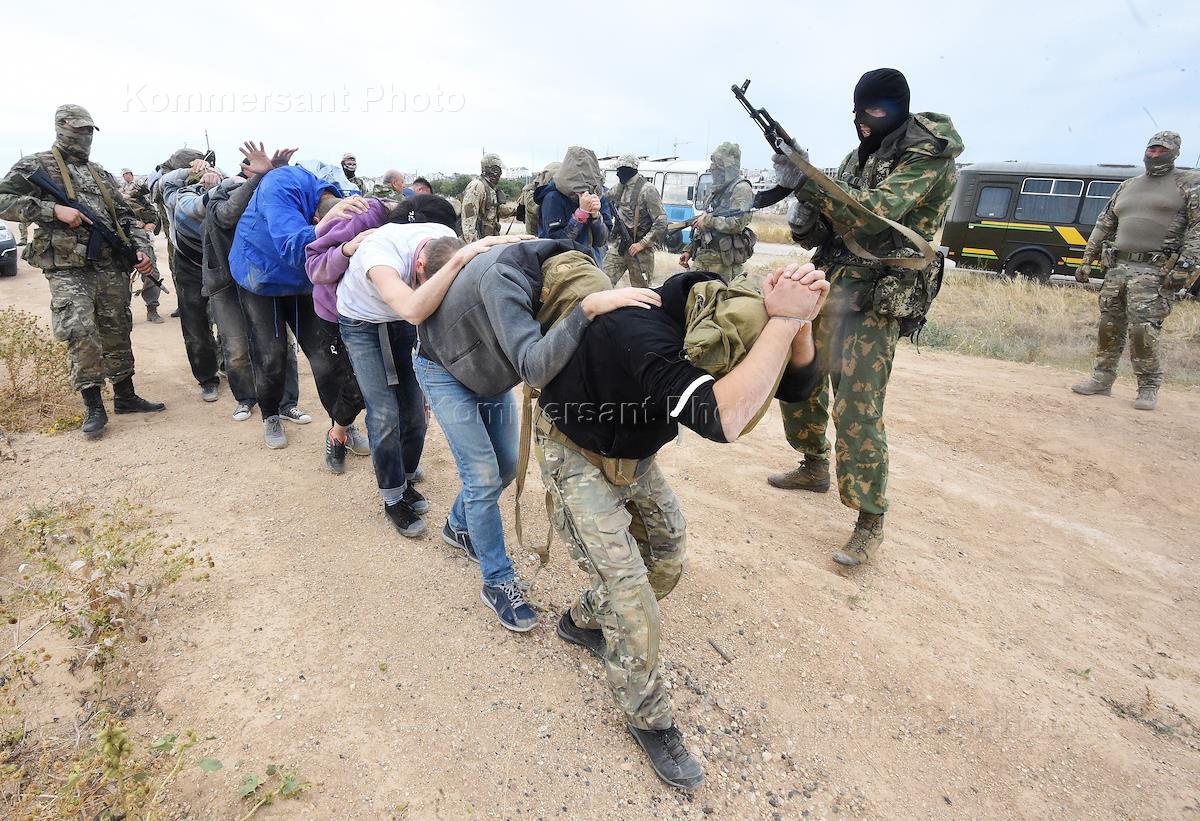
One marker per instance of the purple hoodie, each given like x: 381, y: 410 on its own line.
x: 324, y: 260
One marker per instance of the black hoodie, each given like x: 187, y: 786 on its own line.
x: 627, y: 387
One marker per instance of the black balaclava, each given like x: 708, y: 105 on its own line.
x: 883, y: 88
x: 625, y: 174
x: 348, y: 172
x: 74, y: 143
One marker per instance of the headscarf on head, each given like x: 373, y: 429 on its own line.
x: 1157, y: 166
x: 884, y: 88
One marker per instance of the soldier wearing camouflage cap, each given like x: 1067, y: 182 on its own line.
x: 721, y: 237
x: 89, y: 298
x: 481, y: 206
x: 136, y: 192
x: 1152, y: 228
x: 640, y: 223
x: 350, y: 169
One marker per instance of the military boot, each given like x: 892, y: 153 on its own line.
x: 811, y: 474
x: 152, y: 315
x: 126, y: 401
x: 1147, y: 398
x: 94, y: 415
x: 1092, y: 388
x: 867, y: 535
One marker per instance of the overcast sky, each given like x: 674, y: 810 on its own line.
x: 429, y: 86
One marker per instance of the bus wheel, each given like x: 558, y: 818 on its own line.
x: 1030, y: 265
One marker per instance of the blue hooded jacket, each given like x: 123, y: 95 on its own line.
x: 267, y: 256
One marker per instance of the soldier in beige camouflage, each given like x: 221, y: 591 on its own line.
x: 903, y: 168
x: 1152, y: 223
x: 721, y: 237
x: 481, y: 206
x: 137, y: 194
x: 89, y: 299
x: 640, y: 222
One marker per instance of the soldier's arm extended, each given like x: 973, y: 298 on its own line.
x: 896, y: 195
x: 1106, y: 227
x: 21, y: 200
x: 652, y: 204
x: 472, y: 204
x: 740, y: 201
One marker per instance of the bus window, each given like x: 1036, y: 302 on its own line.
x: 1048, y: 200
x: 702, y: 188
x: 1098, y: 195
x: 675, y: 188
x: 993, y: 202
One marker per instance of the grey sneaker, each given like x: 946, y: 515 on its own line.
x: 357, y: 441
x: 273, y: 433
x: 208, y: 391
x: 242, y: 412
x: 294, y: 414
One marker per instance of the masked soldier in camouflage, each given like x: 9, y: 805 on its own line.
x: 641, y: 222
x: 137, y: 194
x: 903, y: 169
x: 1153, y: 225
x: 350, y: 169
x: 481, y: 207
x: 89, y: 299
x: 721, y: 237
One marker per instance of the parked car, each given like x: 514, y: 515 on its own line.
x: 8, y: 252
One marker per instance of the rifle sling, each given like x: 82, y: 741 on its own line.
x: 70, y: 188
x: 838, y: 194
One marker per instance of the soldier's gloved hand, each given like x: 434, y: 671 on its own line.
x: 1083, y: 273
x: 802, y: 216
x: 787, y: 174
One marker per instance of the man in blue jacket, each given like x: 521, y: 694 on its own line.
x: 267, y: 262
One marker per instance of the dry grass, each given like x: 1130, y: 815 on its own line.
x: 1022, y: 321
x: 771, y: 227
x: 35, y: 390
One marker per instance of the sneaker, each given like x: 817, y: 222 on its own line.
x: 335, y: 455
x: 404, y: 519
x: 413, y: 498
x: 508, y: 603
x: 208, y: 391
x: 242, y: 412
x: 357, y: 441
x: 670, y: 759
x: 273, y: 433
x: 460, y: 539
x: 294, y: 414
x: 590, y: 639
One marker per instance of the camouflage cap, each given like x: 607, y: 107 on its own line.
x: 490, y: 160
x: 628, y: 161
x: 75, y: 116
x: 126, y: 170
x: 1167, y: 139
x: 349, y: 155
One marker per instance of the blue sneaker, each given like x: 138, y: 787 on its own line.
x: 508, y: 602
x: 460, y: 539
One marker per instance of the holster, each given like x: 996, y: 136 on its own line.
x: 619, y: 472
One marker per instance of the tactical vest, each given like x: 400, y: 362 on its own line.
x: 57, y: 247
x: 734, y: 249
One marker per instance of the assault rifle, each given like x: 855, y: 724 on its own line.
x: 124, y: 253
x: 732, y: 212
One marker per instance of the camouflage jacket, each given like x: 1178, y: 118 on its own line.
x: 55, y: 247
x: 909, y: 180
x: 737, y: 197
x: 384, y: 192
x: 640, y: 208
x: 1183, y: 234
x: 137, y: 194
x: 482, y: 210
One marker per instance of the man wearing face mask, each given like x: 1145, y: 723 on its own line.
x: 1153, y: 225
x: 902, y: 169
x: 89, y: 299
x: 350, y: 169
x: 641, y: 221
x: 481, y: 207
x: 721, y: 237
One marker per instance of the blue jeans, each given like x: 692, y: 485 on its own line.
x: 395, y: 407
x: 482, y: 432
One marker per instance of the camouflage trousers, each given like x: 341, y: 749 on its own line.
x: 89, y: 310
x: 631, y: 542
x: 23, y: 230
x: 640, y: 267
x: 1133, y: 304
x: 854, y: 351
x: 706, y: 260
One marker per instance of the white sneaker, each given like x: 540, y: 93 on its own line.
x: 242, y: 412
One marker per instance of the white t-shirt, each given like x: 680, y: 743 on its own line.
x: 395, y: 245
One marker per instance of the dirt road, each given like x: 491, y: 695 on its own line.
x: 1026, y: 645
